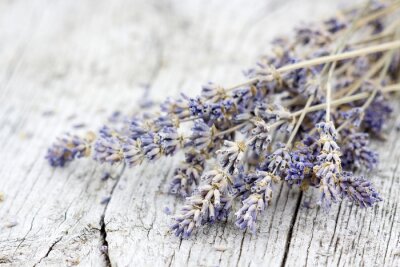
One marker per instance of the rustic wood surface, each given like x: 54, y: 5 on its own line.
x: 65, y: 63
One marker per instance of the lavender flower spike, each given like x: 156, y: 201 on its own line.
x: 358, y: 190
x: 328, y: 168
x: 210, y: 203
x: 213, y: 92
x: 69, y: 147
x: 109, y: 150
x: 231, y: 155
x: 187, y: 174
x: 257, y: 201
x: 356, y: 153
x: 202, y: 135
x: 151, y: 144
x: 279, y: 161
x: 133, y: 152
x: 170, y: 140
x: 260, y: 137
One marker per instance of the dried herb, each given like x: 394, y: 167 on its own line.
x: 303, y: 117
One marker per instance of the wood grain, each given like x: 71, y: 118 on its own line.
x: 64, y: 63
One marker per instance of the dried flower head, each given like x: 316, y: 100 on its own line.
x: 210, y: 203
x: 69, y: 147
x: 230, y: 156
x: 260, y: 197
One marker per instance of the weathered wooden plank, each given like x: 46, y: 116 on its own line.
x: 53, y: 216
x: 47, y: 216
x: 87, y: 58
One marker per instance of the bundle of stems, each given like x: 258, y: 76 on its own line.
x: 303, y: 117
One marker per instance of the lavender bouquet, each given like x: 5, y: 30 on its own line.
x: 304, y: 117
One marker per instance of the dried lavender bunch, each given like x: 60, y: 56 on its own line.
x: 304, y: 117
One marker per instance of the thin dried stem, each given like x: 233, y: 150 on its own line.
x: 328, y: 59
x: 300, y: 120
x: 230, y: 130
x: 380, y: 13
x: 237, y: 127
x: 349, y: 99
x: 373, y: 94
x: 329, y: 92
x: 374, y: 69
x: 249, y: 82
x: 342, y: 56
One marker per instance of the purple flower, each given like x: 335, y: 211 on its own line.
x: 67, y: 148
x: 211, y: 202
x: 178, y: 108
x: 327, y: 129
x: 259, y: 137
x: 202, y: 135
x: 210, y: 112
x: 279, y: 161
x: 198, y: 108
x: 333, y: 25
x: 151, y: 145
x: 272, y: 112
x: 170, y: 140
x: 376, y: 115
x: 317, y: 116
x: 107, y: 132
x: 133, y: 152
x: 358, y: 190
x: 250, y: 129
x: 187, y: 174
x: 356, y: 153
x: 311, y: 37
x: 108, y: 149
x: 213, y: 92
x: 301, y: 165
x: 230, y: 156
x: 164, y: 122
x: 354, y: 115
x: 261, y: 195
x: 243, y: 97
x: 139, y: 127
x: 303, y: 82
x: 328, y: 167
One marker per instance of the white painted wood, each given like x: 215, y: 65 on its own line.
x: 85, y: 59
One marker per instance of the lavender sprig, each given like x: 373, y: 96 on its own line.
x: 302, y: 117
x: 259, y: 198
x: 69, y: 147
x: 210, y: 203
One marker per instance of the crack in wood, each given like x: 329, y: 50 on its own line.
x: 49, y: 250
x: 309, y: 244
x: 24, y: 238
x: 241, y: 248
x: 172, y: 259
x: 291, y: 226
x: 103, y: 230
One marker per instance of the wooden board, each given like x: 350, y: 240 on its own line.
x: 64, y: 63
